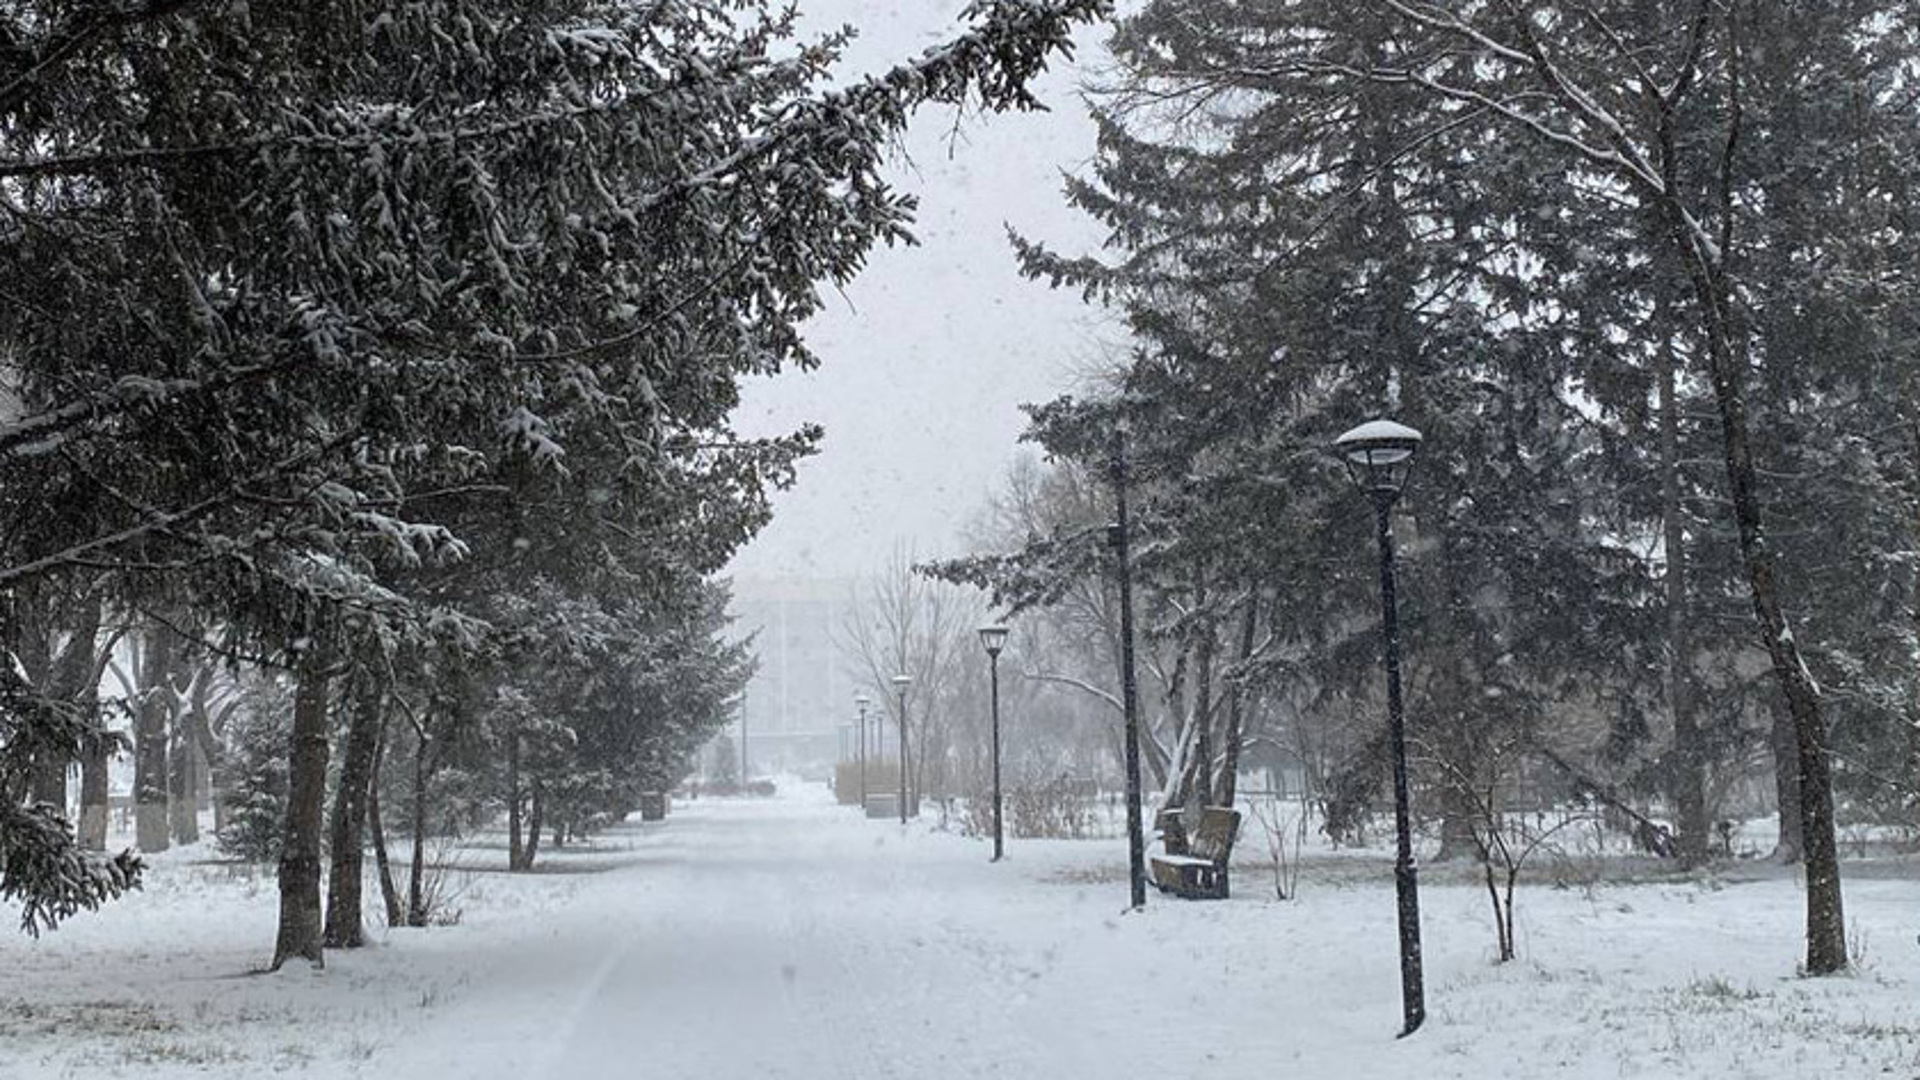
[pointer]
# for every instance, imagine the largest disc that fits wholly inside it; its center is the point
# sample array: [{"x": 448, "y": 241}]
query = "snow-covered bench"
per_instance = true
[{"x": 1193, "y": 864}]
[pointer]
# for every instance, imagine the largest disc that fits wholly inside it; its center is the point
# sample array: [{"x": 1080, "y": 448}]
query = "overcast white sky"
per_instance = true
[{"x": 927, "y": 357}]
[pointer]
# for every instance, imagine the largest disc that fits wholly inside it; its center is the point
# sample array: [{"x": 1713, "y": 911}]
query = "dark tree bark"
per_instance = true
[
  {"x": 532, "y": 849},
  {"x": 1204, "y": 650},
  {"x": 150, "y": 716},
  {"x": 1237, "y": 707},
  {"x": 417, "y": 877},
  {"x": 348, "y": 828},
  {"x": 300, "y": 915},
  {"x": 389, "y": 895},
  {"x": 516, "y": 849},
  {"x": 1787, "y": 849}
]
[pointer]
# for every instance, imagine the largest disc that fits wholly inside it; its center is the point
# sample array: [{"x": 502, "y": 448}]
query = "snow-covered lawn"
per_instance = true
[{"x": 789, "y": 938}]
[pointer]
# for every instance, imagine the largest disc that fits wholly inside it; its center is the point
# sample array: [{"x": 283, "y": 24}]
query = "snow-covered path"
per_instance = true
[
  {"x": 791, "y": 939},
  {"x": 742, "y": 940}
]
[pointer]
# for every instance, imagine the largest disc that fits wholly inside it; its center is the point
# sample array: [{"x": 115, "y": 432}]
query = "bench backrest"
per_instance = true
[{"x": 1214, "y": 838}]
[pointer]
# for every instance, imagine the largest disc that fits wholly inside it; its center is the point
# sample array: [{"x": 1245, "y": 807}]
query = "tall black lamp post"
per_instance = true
[
  {"x": 1379, "y": 454},
  {"x": 1118, "y": 538},
  {"x": 861, "y": 701},
  {"x": 993, "y": 638},
  {"x": 900, "y": 684}
]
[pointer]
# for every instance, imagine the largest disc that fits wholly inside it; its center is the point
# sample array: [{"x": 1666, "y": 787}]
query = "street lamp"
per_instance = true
[
  {"x": 993, "y": 638},
  {"x": 1120, "y": 541},
  {"x": 861, "y": 701},
  {"x": 900, "y": 684},
  {"x": 1378, "y": 455}
]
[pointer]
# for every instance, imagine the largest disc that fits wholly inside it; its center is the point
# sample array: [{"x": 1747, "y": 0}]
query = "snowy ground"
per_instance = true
[{"x": 789, "y": 938}]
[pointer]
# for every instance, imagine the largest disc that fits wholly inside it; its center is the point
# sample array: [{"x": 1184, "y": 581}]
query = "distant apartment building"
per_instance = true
[{"x": 801, "y": 695}]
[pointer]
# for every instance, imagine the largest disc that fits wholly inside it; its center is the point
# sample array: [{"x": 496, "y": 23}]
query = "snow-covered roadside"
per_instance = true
[{"x": 791, "y": 938}]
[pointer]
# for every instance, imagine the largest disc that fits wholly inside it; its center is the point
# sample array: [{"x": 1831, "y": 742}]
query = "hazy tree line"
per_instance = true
[
  {"x": 1643, "y": 275},
  {"x": 367, "y": 373},
  {"x": 1055, "y": 745}
]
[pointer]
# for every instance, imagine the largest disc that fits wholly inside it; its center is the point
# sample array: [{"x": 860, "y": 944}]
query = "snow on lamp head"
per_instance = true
[{"x": 1378, "y": 455}]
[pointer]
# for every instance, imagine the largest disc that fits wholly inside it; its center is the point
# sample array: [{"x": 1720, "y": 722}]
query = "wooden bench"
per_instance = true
[{"x": 1193, "y": 865}]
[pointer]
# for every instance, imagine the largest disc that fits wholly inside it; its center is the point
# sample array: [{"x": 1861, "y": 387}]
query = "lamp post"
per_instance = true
[
  {"x": 900, "y": 684},
  {"x": 1378, "y": 455},
  {"x": 1129, "y": 686},
  {"x": 861, "y": 701},
  {"x": 993, "y": 638}
]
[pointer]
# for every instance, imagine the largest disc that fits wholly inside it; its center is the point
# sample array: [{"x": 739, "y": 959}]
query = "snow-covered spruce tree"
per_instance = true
[{"x": 461, "y": 228}]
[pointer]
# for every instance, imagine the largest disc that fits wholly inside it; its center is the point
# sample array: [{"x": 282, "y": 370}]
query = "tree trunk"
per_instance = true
[
  {"x": 1236, "y": 708},
  {"x": 183, "y": 794},
  {"x": 1826, "y": 917},
  {"x": 150, "y": 715},
  {"x": 95, "y": 802},
  {"x": 1787, "y": 849},
  {"x": 300, "y": 915},
  {"x": 533, "y": 829},
  {"x": 416, "y": 878},
  {"x": 1694, "y": 839},
  {"x": 389, "y": 895},
  {"x": 516, "y": 850},
  {"x": 1203, "y": 709},
  {"x": 348, "y": 827}
]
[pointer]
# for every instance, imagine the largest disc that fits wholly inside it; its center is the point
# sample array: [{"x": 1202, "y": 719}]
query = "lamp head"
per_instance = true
[
  {"x": 1378, "y": 455},
  {"x": 993, "y": 638}
]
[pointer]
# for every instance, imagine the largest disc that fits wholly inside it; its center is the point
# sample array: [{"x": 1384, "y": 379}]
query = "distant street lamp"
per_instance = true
[
  {"x": 1379, "y": 454},
  {"x": 861, "y": 701},
  {"x": 993, "y": 639},
  {"x": 900, "y": 684}
]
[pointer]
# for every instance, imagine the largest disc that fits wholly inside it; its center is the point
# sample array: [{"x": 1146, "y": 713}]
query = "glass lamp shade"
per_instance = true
[
  {"x": 901, "y": 681},
  {"x": 1379, "y": 454},
  {"x": 993, "y": 639}
]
